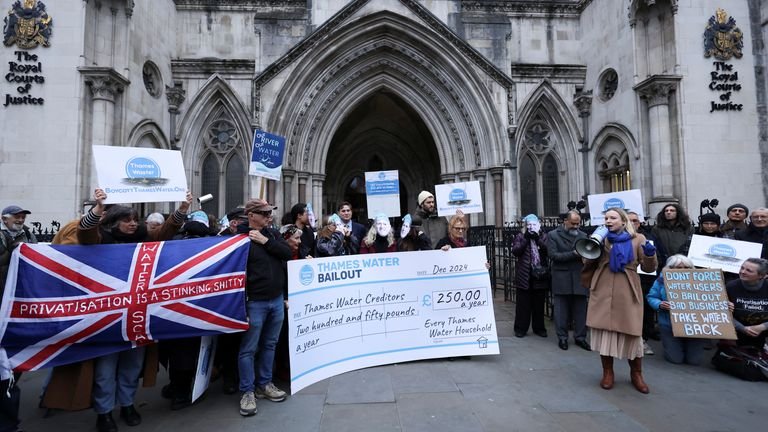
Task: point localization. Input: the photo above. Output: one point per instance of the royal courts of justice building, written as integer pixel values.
(542, 102)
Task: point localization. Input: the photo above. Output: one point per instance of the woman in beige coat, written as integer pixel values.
(615, 313)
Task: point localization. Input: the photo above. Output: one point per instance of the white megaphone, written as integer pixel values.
(592, 247)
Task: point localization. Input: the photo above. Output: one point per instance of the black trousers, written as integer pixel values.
(9, 407)
(571, 308)
(529, 310)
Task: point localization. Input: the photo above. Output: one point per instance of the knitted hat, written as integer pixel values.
(733, 206)
(198, 216)
(709, 217)
(423, 196)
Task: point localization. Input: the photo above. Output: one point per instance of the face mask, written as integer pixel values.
(534, 226)
(383, 227)
(406, 226)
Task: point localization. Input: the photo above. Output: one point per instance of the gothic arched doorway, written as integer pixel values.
(382, 133)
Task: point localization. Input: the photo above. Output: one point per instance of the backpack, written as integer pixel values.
(746, 362)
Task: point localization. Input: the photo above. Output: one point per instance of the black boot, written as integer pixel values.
(130, 416)
(105, 423)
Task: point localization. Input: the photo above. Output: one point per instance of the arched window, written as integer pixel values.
(613, 166)
(549, 184)
(235, 174)
(210, 182)
(223, 169)
(539, 173)
(528, 187)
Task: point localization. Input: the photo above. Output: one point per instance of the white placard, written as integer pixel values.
(204, 366)
(137, 174)
(722, 253)
(382, 190)
(353, 312)
(458, 196)
(630, 200)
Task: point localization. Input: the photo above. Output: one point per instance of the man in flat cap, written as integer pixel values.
(266, 294)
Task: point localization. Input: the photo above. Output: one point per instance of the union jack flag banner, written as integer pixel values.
(63, 304)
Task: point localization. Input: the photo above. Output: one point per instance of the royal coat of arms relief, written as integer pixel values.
(722, 39)
(27, 25)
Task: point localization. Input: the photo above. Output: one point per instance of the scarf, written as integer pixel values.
(535, 257)
(621, 252)
(459, 242)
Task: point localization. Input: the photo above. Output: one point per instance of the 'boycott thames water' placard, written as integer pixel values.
(358, 311)
(698, 304)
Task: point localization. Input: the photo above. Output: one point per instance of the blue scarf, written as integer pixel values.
(621, 252)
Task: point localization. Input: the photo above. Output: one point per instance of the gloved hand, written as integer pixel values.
(649, 249)
(531, 235)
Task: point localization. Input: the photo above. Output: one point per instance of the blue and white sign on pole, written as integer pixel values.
(382, 190)
(358, 311)
(630, 200)
(267, 155)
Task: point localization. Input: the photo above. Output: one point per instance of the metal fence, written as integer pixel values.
(498, 245)
(45, 234)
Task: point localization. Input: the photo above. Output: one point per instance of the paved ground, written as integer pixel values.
(531, 386)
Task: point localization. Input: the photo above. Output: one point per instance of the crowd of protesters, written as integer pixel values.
(608, 305)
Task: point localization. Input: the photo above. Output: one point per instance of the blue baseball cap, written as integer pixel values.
(14, 210)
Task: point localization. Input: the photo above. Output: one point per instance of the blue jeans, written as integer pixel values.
(116, 377)
(680, 349)
(265, 318)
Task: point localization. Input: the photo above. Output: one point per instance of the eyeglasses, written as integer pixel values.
(459, 228)
(265, 213)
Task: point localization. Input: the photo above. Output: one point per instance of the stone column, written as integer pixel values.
(105, 85)
(498, 194)
(655, 92)
(288, 202)
(317, 193)
(479, 175)
(583, 102)
(176, 96)
(303, 177)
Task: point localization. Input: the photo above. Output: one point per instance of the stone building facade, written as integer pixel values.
(543, 102)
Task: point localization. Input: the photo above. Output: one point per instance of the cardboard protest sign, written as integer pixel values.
(698, 304)
(137, 174)
(463, 196)
(630, 200)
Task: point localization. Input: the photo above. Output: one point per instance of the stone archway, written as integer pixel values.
(458, 101)
(382, 133)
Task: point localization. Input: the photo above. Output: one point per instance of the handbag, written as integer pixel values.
(540, 271)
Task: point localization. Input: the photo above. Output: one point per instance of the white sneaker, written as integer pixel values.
(647, 350)
(270, 392)
(248, 404)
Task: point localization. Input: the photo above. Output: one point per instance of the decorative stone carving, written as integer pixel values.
(608, 83)
(537, 138)
(104, 83)
(583, 102)
(238, 5)
(129, 8)
(222, 136)
(176, 96)
(656, 93)
(153, 80)
(527, 9)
